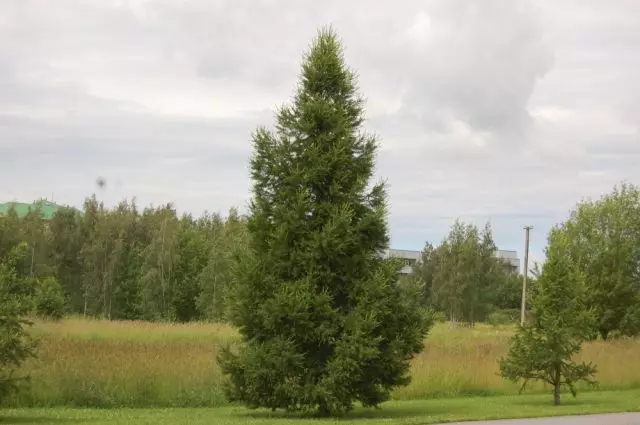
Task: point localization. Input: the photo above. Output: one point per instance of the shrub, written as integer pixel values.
(49, 299)
(505, 316)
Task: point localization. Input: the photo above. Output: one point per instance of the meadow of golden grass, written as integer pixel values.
(141, 364)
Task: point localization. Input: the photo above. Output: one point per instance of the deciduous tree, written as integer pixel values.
(462, 277)
(216, 279)
(604, 241)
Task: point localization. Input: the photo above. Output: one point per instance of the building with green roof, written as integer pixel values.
(48, 208)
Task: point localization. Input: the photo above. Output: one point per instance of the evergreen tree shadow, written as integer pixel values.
(385, 412)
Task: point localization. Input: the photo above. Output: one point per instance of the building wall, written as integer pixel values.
(411, 257)
(511, 259)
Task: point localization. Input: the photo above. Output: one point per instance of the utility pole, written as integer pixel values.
(524, 275)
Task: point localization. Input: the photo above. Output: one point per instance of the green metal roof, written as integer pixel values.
(48, 208)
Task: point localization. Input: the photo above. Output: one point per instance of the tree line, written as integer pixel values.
(123, 263)
(127, 263)
(152, 264)
(461, 277)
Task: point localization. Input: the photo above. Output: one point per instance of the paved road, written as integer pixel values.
(608, 419)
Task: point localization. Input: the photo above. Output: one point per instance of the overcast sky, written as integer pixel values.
(508, 111)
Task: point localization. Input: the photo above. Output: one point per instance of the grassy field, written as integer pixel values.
(396, 412)
(90, 363)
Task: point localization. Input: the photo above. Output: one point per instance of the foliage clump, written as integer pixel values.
(16, 345)
(49, 299)
(604, 242)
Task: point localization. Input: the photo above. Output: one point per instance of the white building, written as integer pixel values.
(411, 257)
(511, 259)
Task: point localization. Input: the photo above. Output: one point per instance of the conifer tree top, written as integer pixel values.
(318, 158)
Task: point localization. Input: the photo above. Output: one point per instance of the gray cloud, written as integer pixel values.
(502, 111)
(478, 62)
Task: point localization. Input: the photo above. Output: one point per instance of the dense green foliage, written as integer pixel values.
(16, 345)
(323, 319)
(462, 277)
(123, 263)
(544, 348)
(49, 299)
(604, 241)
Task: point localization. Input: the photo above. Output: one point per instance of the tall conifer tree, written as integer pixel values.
(323, 320)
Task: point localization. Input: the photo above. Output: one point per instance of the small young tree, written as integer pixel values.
(323, 318)
(49, 299)
(16, 344)
(544, 348)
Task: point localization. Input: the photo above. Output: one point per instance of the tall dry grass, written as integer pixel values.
(139, 364)
(470, 367)
(134, 330)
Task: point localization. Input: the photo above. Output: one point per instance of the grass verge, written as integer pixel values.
(397, 412)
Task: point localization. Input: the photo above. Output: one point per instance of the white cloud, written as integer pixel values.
(509, 111)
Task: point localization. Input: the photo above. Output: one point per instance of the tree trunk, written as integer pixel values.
(323, 410)
(33, 258)
(556, 394)
(556, 386)
(162, 279)
(604, 333)
(453, 317)
(214, 302)
(104, 283)
(110, 291)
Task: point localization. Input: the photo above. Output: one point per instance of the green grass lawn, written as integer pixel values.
(397, 412)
